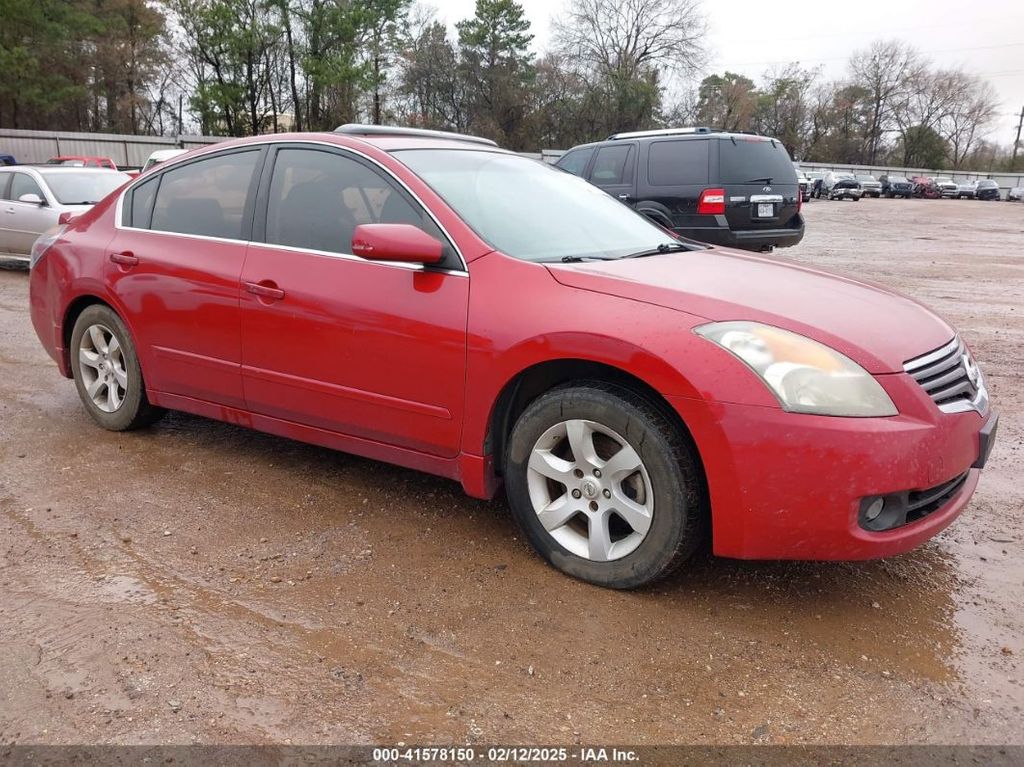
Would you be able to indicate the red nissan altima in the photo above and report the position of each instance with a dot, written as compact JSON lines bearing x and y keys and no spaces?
{"x":430,"y":300}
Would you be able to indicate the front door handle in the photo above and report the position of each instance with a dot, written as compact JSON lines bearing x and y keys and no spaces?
{"x":127,"y":258}
{"x":265,"y":289}
{"x":625,"y":197}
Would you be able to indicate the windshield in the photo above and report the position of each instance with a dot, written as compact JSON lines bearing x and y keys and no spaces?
{"x":865,"y":178}
{"x":898,"y":180}
{"x":85,"y":188}
{"x":530,"y":210}
{"x":988,"y":184}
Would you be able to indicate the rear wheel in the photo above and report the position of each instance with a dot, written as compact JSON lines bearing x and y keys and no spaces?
{"x":107,"y":372}
{"x":603,"y":487}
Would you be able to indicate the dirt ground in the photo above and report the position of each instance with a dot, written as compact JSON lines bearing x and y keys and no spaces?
{"x":202,"y":583}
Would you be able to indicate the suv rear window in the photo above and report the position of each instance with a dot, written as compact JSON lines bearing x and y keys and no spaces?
{"x":670,"y":163}
{"x":751,"y":161}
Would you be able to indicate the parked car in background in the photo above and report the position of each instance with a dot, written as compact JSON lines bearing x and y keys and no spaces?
{"x":517,"y":326}
{"x":83,"y":161}
{"x":896,"y":186}
{"x":841,"y":186}
{"x":34,"y":198}
{"x":7,"y":159}
{"x":925,"y":187}
{"x":162,"y":155}
{"x":966,"y":190}
{"x":733,"y":189}
{"x":988,"y":190}
{"x":816,"y":177}
{"x":1016,"y":194}
{"x":947,"y":187}
{"x":805,"y":185}
{"x":870,"y":186}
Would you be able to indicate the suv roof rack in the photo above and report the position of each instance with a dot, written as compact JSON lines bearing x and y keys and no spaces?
{"x":356,"y":129}
{"x":660,"y":132}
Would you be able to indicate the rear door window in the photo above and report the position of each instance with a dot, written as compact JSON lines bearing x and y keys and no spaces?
{"x":753,"y":161}
{"x":673,"y":163}
{"x":575,"y":162}
{"x":141,"y":204}
{"x":613,"y":166}
{"x":206,"y":197}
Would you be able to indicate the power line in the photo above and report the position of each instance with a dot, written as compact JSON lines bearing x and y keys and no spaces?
{"x":915,"y":28}
{"x":848,"y":56}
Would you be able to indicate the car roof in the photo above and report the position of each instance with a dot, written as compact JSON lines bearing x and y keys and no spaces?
{"x":58,"y":168}
{"x":386,"y":142}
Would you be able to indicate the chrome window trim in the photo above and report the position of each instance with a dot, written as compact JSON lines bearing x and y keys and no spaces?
{"x":118,"y":210}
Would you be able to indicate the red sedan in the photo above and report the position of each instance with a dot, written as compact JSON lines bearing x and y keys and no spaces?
{"x":433,"y":301}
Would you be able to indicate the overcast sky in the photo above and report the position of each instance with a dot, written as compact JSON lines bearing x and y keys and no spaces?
{"x":750,"y":36}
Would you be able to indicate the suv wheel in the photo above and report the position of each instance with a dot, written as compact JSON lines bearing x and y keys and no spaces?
{"x":107,"y":372}
{"x":602,"y":487}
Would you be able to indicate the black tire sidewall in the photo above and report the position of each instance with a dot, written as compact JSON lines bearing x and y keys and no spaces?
{"x":675,"y":530}
{"x":135,"y":404}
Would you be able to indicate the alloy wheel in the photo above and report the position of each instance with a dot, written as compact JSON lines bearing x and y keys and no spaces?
{"x":590,"y":489}
{"x":103,"y":370}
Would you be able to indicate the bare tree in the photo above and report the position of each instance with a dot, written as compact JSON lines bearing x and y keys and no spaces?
{"x":885,"y":71}
{"x":623,"y":47}
{"x":972,"y":109}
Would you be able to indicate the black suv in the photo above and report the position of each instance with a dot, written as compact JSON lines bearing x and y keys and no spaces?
{"x":733,"y":189}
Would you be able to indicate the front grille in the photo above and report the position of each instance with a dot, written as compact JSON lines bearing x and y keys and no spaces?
{"x":949,"y":376}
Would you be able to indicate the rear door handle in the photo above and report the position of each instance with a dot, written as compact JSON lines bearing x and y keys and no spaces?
{"x":625,"y":197}
{"x":265,"y":290}
{"x":124,"y":259}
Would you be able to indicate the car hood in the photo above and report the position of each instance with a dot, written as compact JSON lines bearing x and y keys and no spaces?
{"x":874,"y":326}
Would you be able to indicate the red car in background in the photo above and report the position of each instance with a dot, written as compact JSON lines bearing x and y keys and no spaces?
{"x":433,"y":301}
{"x":83,"y":161}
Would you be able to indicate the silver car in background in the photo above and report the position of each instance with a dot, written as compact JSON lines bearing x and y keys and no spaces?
{"x":32,"y":199}
{"x":869,"y":185}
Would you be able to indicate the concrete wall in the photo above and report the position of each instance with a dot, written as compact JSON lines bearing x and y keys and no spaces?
{"x":1005,"y":180}
{"x":29,"y":146}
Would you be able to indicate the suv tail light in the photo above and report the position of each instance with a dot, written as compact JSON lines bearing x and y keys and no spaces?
{"x":711,"y":202}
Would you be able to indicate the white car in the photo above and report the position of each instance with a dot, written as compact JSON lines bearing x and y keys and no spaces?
{"x":161,"y":155}
{"x":33,"y":198}
{"x":1016,"y":194}
{"x":947,"y":186}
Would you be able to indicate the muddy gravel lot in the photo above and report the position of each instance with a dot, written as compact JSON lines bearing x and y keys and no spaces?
{"x":197,"y":582}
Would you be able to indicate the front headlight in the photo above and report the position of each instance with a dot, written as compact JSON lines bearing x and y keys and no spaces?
{"x":805,"y":376}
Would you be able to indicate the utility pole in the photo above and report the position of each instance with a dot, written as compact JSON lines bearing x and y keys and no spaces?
{"x":1016,"y":141}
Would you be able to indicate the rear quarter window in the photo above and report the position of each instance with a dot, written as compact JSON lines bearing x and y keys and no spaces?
{"x":673,"y":163}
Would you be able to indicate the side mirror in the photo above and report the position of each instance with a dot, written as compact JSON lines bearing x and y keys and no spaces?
{"x":404,"y":243}
{"x":65,"y":218}
{"x":33,"y":198}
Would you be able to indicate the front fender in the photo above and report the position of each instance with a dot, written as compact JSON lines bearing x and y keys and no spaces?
{"x":520,"y":316}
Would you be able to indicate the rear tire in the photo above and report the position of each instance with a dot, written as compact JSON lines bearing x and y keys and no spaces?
{"x":630,"y":525}
{"x":107,"y":372}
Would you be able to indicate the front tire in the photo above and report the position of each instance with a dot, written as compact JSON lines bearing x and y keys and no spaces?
{"x":107,"y":372}
{"x":603,"y":487}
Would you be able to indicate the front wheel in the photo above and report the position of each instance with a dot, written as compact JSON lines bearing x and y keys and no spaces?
{"x":603,"y":487}
{"x":107,"y":372}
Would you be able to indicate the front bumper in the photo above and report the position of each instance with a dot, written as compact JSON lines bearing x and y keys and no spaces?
{"x":790,"y":486}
